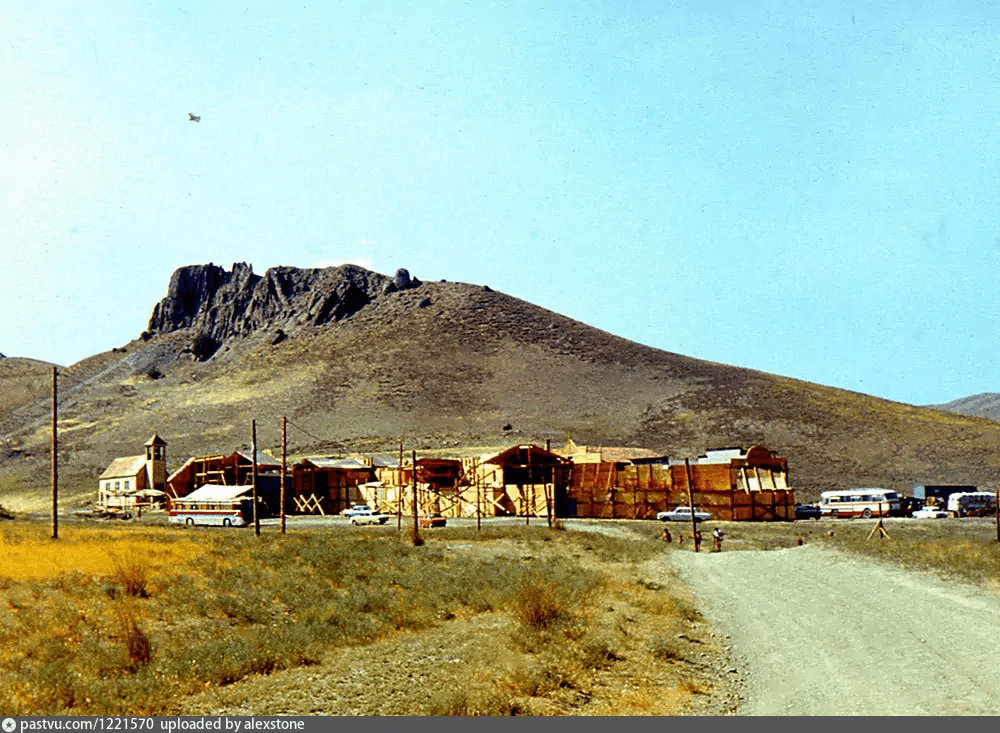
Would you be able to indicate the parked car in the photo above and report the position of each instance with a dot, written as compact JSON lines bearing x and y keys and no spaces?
{"x":368,"y":516}
{"x":807,"y":511}
{"x":355,"y":510}
{"x":929,"y":512}
{"x":683,"y":514}
{"x":436,"y":521}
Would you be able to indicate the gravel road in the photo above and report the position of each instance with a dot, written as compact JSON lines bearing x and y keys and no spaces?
{"x":817,"y":632}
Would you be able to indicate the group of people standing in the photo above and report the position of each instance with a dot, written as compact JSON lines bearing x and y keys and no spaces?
{"x":717,"y":535}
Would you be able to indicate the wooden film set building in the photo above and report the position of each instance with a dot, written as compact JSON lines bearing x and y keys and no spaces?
{"x":528,"y":480}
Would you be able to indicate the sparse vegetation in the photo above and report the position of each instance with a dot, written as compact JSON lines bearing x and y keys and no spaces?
{"x":97,"y":624}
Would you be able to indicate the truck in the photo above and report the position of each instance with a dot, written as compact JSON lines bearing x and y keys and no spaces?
{"x":971,"y":503}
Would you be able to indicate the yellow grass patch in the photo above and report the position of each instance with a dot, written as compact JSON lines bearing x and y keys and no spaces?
{"x":29,"y":552}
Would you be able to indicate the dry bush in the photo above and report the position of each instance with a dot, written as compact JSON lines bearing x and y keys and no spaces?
{"x":137,"y":644}
{"x":415,"y":538}
{"x":665,"y":650}
{"x":131,"y":572}
{"x":536,"y":604}
{"x":491,"y":702}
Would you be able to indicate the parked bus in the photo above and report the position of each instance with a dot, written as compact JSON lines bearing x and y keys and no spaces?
{"x":859,"y":503}
{"x":225,"y":506}
{"x":971,"y":503}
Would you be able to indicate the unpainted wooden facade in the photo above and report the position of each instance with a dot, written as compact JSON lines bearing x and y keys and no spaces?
{"x":234,"y":469}
{"x":327,"y":485}
{"x":735,"y":486}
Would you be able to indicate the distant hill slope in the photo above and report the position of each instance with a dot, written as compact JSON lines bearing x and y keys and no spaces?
{"x":985,"y":404}
{"x":361,"y":361}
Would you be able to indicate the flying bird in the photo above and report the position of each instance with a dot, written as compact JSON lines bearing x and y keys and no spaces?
{"x":193,"y":117}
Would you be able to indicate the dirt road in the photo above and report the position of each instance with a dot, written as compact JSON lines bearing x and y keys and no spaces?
{"x":821,"y":633}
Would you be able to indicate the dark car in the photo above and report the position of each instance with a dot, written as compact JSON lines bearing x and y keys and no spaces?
{"x":807,"y":511}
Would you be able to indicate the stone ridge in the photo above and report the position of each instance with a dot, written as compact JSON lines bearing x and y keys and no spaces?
{"x":221,"y":304}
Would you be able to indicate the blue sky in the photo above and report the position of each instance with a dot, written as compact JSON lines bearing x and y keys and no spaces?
{"x":808,"y":189}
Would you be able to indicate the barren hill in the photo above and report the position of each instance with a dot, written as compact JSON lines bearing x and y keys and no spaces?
{"x":985,"y":404}
{"x":361,"y":361}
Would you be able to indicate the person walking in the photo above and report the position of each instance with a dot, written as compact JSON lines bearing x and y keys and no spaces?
{"x":717,"y":536}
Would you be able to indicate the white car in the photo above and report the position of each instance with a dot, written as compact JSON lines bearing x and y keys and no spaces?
{"x":368,"y":516}
{"x":683,"y":514}
{"x":929,"y":512}
{"x":356,"y":509}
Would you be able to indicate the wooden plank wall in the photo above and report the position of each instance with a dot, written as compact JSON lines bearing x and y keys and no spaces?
{"x":602,"y":490}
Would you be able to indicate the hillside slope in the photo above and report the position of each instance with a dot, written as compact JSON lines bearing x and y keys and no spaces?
{"x":444,"y":365}
{"x":985,"y":404}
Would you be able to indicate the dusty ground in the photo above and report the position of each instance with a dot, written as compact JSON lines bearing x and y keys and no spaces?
{"x":411,"y":673}
{"x":799,"y":631}
{"x":817,"y":632}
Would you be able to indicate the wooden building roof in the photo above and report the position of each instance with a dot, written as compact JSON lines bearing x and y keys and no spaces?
{"x":126,"y":467}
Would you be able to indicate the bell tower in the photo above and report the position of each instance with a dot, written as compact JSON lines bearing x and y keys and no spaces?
{"x":156,"y":463}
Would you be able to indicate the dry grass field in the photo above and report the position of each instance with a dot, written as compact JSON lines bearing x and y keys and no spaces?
{"x":132,"y":619}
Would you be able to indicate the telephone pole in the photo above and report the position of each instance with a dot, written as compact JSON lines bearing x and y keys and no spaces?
{"x":55,"y":454}
{"x":416,"y":525}
{"x":284,"y":459}
{"x":253,"y":457}
{"x":694,"y":519}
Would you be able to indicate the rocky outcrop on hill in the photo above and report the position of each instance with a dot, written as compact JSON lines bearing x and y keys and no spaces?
{"x":220,"y":304}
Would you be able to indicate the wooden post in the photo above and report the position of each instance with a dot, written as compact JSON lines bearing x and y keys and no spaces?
{"x":253,"y":457}
{"x":479,"y":510}
{"x":694,"y":521}
{"x":548,"y":496}
{"x":399,"y":491}
{"x":284,"y":459}
{"x":530,"y":493}
{"x":55,"y":454}
{"x":416,"y":525}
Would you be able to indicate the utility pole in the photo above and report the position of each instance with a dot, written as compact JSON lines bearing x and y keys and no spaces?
{"x":55,"y":455}
{"x":996,"y":507}
{"x":253,"y":457}
{"x":529,"y":494}
{"x":399,"y":491}
{"x":548,"y":496}
{"x":694,"y":521}
{"x":479,"y":511}
{"x":416,"y":526}
{"x":284,"y":458}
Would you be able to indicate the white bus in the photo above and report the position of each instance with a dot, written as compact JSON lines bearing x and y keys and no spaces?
{"x":971,"y":503}
{"x":225,"y":506}
{"x":859,"y":503}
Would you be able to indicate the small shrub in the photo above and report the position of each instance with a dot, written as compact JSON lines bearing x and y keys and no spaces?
{"x":665,"y":650}
{"x":137,"y":645}
{"x":154,"y":373}
{"x":132,"y":573}
{"x":536,"y":604}
{"x":5,"y":513}
{"x":415,"y":538}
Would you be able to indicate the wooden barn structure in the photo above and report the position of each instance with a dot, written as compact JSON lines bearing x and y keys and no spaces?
{"x":443,"y":486}
{"x":729,"y":483}
{"x":526,"y":480}
{"x":327,"y":485}
{"x":523,"y":479}
{"x":234,"y":469}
